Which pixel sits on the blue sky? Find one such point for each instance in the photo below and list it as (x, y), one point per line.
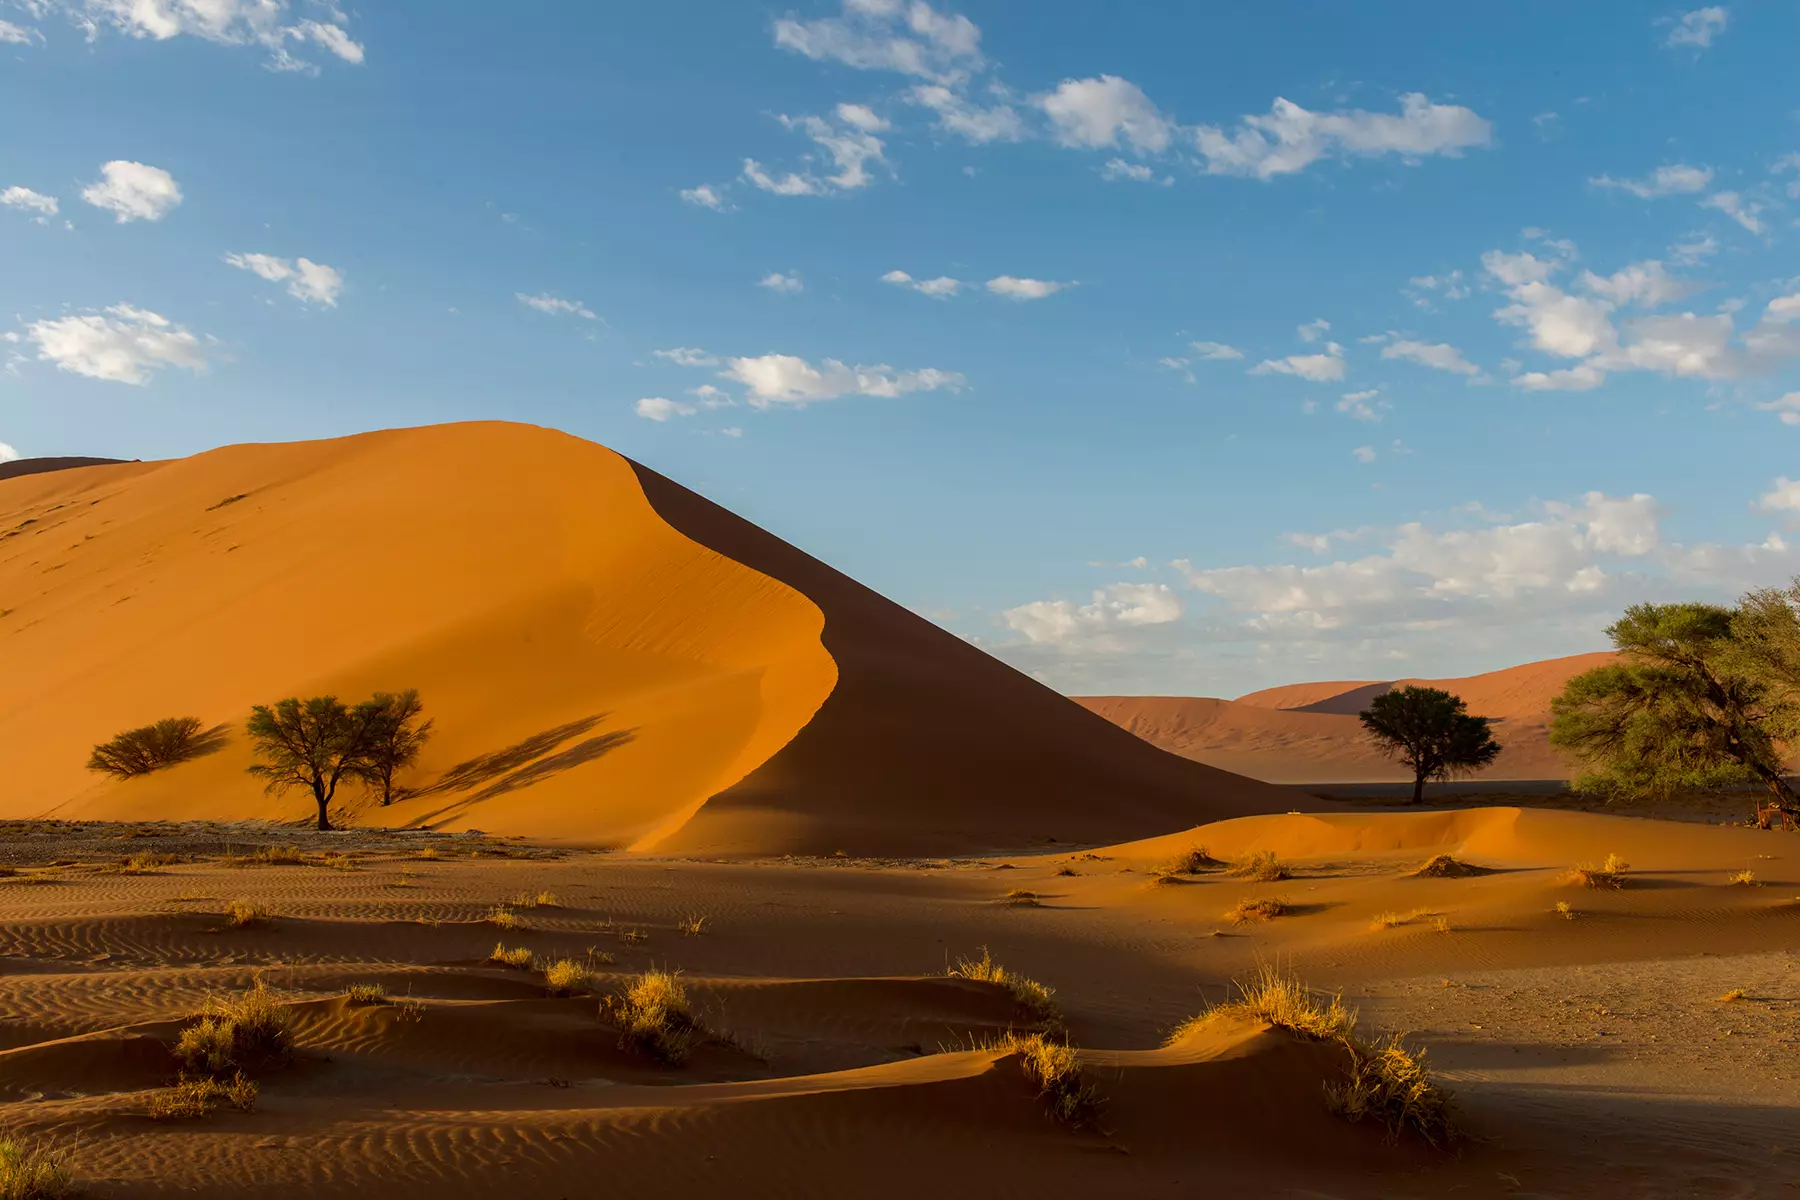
(1162, 349)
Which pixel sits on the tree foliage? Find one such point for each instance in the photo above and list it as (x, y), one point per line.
(395, 735)
(1701, 697)
(317, 743)
(1430, 732)
(149, 748)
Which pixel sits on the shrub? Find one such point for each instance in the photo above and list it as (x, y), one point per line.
(145, 863)
(429, 853)
(1565, 910)
(1034, 997)
(1260, 867)
(366, 993)
(692, 926)
(141, 751)
(653, 1017)
(234, 1036)
(1733, 996)
(1192, 862)
(1744, 878)
(242, 914)
(503, 917)
(1446, 866)
(1055, 1068)
(192, 1098)
(1608, 876)
(1388, 920)
(1021, 898)
(1266, 908)
(339, 862)
(565, 976)
(517, 956)
(31, 1171)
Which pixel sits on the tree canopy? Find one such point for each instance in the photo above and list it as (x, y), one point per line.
(1431, 732)
(394, 737)
(148, 748)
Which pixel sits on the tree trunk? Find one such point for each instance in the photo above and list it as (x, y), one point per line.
(324, 800)
(1418, 789)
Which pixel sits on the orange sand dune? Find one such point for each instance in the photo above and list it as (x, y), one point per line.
(1308, 732)
(608, 657)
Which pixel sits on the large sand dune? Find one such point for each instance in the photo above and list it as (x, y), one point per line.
(1309, 733)
(608, 657)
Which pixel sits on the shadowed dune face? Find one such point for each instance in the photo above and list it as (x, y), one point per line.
(607, 657)
(1309, 732)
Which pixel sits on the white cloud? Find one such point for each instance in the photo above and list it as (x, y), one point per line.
(688, 356)
(1365, 405)
(556, 306)
(1290, 138)
(26, 200)
(1744, 212)
(972, 122)
(862, 117)
(1025, 289)
(8, 454)
(1320, 368)
(849, 144)
(1583, 378)
(941, 288)
(1695, 250)
(659, 408)
(712, 397)
(1644, 284)
(132, 191)
(1214, 351)
(1672, 179)
(1786, 407)
(791, 184)
(1441, 355)
(1363, 454)
(778, 379)
(1313, 330)
(269, 24)
(1698, 28)
(910, 38)
(787, 284)
(706, 196)
(122, 344)
(1063, 624)
(18, 35)
(1426, 290)
(1118, 168)
(307, 281)
(1784, 497)
(1095, 113)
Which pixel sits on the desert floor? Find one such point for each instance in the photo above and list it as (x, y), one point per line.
(1592, 1053)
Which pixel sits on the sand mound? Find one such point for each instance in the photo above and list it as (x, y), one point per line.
(608, 657)
(1308, 732)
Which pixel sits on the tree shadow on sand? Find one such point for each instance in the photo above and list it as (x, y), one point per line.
(531, 761)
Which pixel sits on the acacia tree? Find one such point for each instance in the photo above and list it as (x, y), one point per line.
(313, 744)
(395, 735)
(1431, 732)
(1701, 697)
(140, 751)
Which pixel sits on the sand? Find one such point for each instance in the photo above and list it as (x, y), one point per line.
(1308, 732)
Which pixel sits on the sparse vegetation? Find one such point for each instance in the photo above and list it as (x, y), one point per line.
(366, 993)
(1744, 878)
(1036, 998)
(339, 862)
(34, 1171)
(145, 863)
(1260, 866)
(1565, 910)
(267, 856)
(1446, 866)
(1022, 898)
(544, 899)
(246, 914)
(393, 739)
(1193, 861)
(150, 748)
(653, 1017)
(1733, 996)
(1430, 732)
(503, 917)
(1055, 1068)
(565, 977)
(194, 1098)
(1264, 908)
(515, 956)
(429, 854)
(317, 743)
(692, 926)
(236, 1036)
(1443, 925)
(1389, 920)
(1609, 876)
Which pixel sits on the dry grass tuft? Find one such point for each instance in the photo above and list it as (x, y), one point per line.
(1036, 998)
(692, 926)
(1443, 925)
(1745, 878)
(1260, 867)
(1446, 866)
(339, 862)
(267, 856)
(1389, 920)
(1193, 861)
(366, 993)
(1265, 908)
(1608, 876)
(1282, 1001)
(1733, 996)
(502, 917)
(429, 854)
(34, 1171)
(565, 977)
(1565, 910)
(516, 956)
(653, 1017)
(145, 863)
(1066, 871)
(1021, 898)
(1055, 1068)
(245, 914)
(546, 899)
(194, 1098)
(241, 1035)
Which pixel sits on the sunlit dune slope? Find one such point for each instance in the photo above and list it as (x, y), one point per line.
(1308, 732)
(598, 666)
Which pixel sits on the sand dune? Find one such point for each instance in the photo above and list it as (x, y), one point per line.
(608, 657)
(1308, 733)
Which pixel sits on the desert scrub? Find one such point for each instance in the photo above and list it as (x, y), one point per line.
(565, 977)
(1744, 878)
(244, 914)
(692, 926)
(34, 1171)
(1446, 866)
(545, 899)
(1264, 908)
(194, 1098)
(514, 956)
(653, 1017)
(1260, 867)
(1388, 920)
(1055, 1069)
(244, 1034)
(1036, 998)
(1565, 910)
(1608, 876)
(1192, 862)
(366, 993)
(502, 917)
(339, 862)
(151, 748)
(1022, 898)
(144, 863)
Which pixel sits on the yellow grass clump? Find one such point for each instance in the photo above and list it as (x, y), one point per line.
(1608, 876)
(653, 1017)
(33, 1171)
(366, 993)
(692, 926)
(1260, 867)
(502, 917)
(515, 956)
(339, 862)
(1733, 996)
(243, 914)
(1264, 908)
(429, 854)
(1744, 878)
(565, 976)
(1565, 910)
(1021, 898)
(145, 863)
(1193, 861)
(194, 1098)
(1446, 866)
(1034, 997)
(1055, 1068)
(235, 1036)
(267, 856)
(1389, 920)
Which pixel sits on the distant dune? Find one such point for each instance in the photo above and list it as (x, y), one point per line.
(608, 657)
(19, 467)
(1308, 732)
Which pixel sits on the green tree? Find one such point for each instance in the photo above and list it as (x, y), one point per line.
(1431, 732)
(1701, 696)
(140, 751)
(395, 737)
(312, 744)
